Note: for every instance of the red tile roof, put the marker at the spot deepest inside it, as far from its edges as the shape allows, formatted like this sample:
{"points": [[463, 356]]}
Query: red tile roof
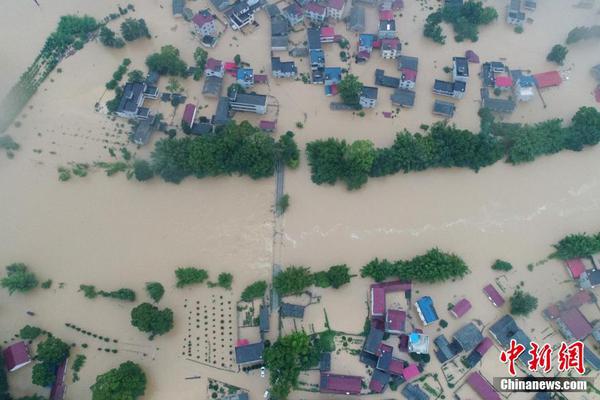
{"points": [[395, 320], [214, 64], [315, 8], [327, 31], [552, 311], [16, 356], [504, 81], [378, 292], [189, 113], [461, 308], [580, 298], [396, 367], [576, 322], [547, 79], [575, 267], [202, 18], [342, 384], [409, 74], [483, 388], [384, 348], [411, 372], [484, 346], [336, 4], [494, 296], [267, 125], [386, 15]]}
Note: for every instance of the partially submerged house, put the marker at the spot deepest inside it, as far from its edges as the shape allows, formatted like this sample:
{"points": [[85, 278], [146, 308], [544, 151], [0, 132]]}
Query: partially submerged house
{"points": [[387, 81], [443, 108], [264, 320], [294, 14], [132, 100], [250, 353], [212, 86], [204, 23], [335, 8], [514, 15], [390, 48], [143, 131], [409, 67], [368, 97], [493, 295], [177, 8], [524, 88], [356, 19], [279, 33], [482, 386], [214, 67], [287, 310], [574, 325], [379, 380], [245, 77], [454, 89], [373, 340], [589, 279], [460, 69], [325, 362], [283, 69], [387, 29], [403, 98], [248, 102], [445, 350], [468, 337], [506, 329], [477, 354], [413, 392], [315, 12], [395, 321], [378, 291], [59, 387], [426, 310], [189, 114], [16, 356], [418, 343], [576, 267], [221, 116], [221, 5], [340, 384], [547, 79], [460, 308]]}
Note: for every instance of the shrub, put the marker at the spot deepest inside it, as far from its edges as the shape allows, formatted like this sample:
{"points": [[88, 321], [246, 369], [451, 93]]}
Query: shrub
{"points": [[500, 265], [155, 290], [150, 319], [189, 276], [142, 170], [29, 332], [522, 303], [283, 203], [254, 291], [18, 279]]}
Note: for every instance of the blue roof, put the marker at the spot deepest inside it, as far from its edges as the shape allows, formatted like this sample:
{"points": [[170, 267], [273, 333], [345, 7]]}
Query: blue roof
{"points": [[317, 56], [526, 81], [244, 73], [425, 304], [333, 74], [366, 39]]}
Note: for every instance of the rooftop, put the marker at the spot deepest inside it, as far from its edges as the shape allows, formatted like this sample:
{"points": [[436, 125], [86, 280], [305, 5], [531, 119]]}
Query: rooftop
{"points": [[249, 353], [369, 92], [411, 371], [336, 4], [373, 340], [203, 17], [461, 65], [547, 79], [460, 308], [291, 310], [575, 325], [443, 108], [468, 336], [16, 356], [483, 388], [494, 296], [426, 310], [340, 384], [403, 97]]}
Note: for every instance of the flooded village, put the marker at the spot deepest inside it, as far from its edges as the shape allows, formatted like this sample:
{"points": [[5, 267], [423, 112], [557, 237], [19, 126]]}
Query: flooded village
{"points": [[257, 265]]}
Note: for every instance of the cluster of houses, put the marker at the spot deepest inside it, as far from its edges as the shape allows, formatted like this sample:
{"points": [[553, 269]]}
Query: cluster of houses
{"points": [[454, 89], [17, 356]]}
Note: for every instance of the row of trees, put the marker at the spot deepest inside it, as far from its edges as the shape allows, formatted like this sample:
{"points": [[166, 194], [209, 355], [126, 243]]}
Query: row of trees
{"points": [[576, 246], [433, 266], [91, 292], [295, 280], [445, 146], [237, 148], [131, 29], [465, 20]]}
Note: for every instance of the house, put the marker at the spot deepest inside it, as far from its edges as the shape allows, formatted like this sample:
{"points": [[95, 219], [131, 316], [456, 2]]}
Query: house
{"points": [[356, 19], [379, 380], [387, 29], [472, 57], [407, 62], [177, 7], [385, 14], [368, 97], [497, 67], [272, 10], [514, 15], [59, 388], [378, 293], [204, 23], [331, 77], [245, 77], [16, 356], [530, 5], [524, 88], [445, 350], [382, 80], [315, 12], [325, 362], [410, 372], [202, 128], [335, 8], [294, 14], [365, 46], [460, 308], [240, 15], [413, 392], [143, 131], [503, 82], [327, 34], [340, 384], [256, 103], [299, 52], [373, 340], [214, 67], [460, 69], [403, 98], [482, 387], [574, 325], [547, 79], [287, 310], [212, 86], [236, 396], [134, 94], [454, 89], [385, 357], [263, 317], [395, 321], [408, 66], [495, 104], [249, 354], [314, 38], [506, 329], [418, 343], [443, 108], [468, 337], [221, 5], [279, 26], [426, 310], [189, 114], [283, 69], [493, 295], [575, 267], [390, 48], [396, 366], [589, 279], [317, 59], [221, 116], [209, 41], [267, 126], [477, 354]]}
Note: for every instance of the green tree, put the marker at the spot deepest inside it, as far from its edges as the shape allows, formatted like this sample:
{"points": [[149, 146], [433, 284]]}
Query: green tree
{"points": [[18, 279], [237, 60], [200, 56], [155, 290], [500, 265], [378, 270], [577, 246], [127, 382], [350, 88], [52, 351], [110, 39], [133, 29], [43, 374], [338, 275], [254, 291], [286, 358], [325, 157], [522, 303], [292, 281], [29, 332], [283, 203], [287, 150], [189, 276], [150, 319], [557, 54], [433, 266], [432, 28], [135, 76], [358, 160], [167, 62], [142, 170], [225, 280], [174, 86]]}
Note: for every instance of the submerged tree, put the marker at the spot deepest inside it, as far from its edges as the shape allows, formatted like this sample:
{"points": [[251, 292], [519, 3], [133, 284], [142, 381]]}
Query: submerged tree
{"points": [[150, 319], [254, 291], [167, 62], [127, 382], [522, 303], [293, 280], [557, 54], [18, 279], [133, 29], [350, 88]]}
